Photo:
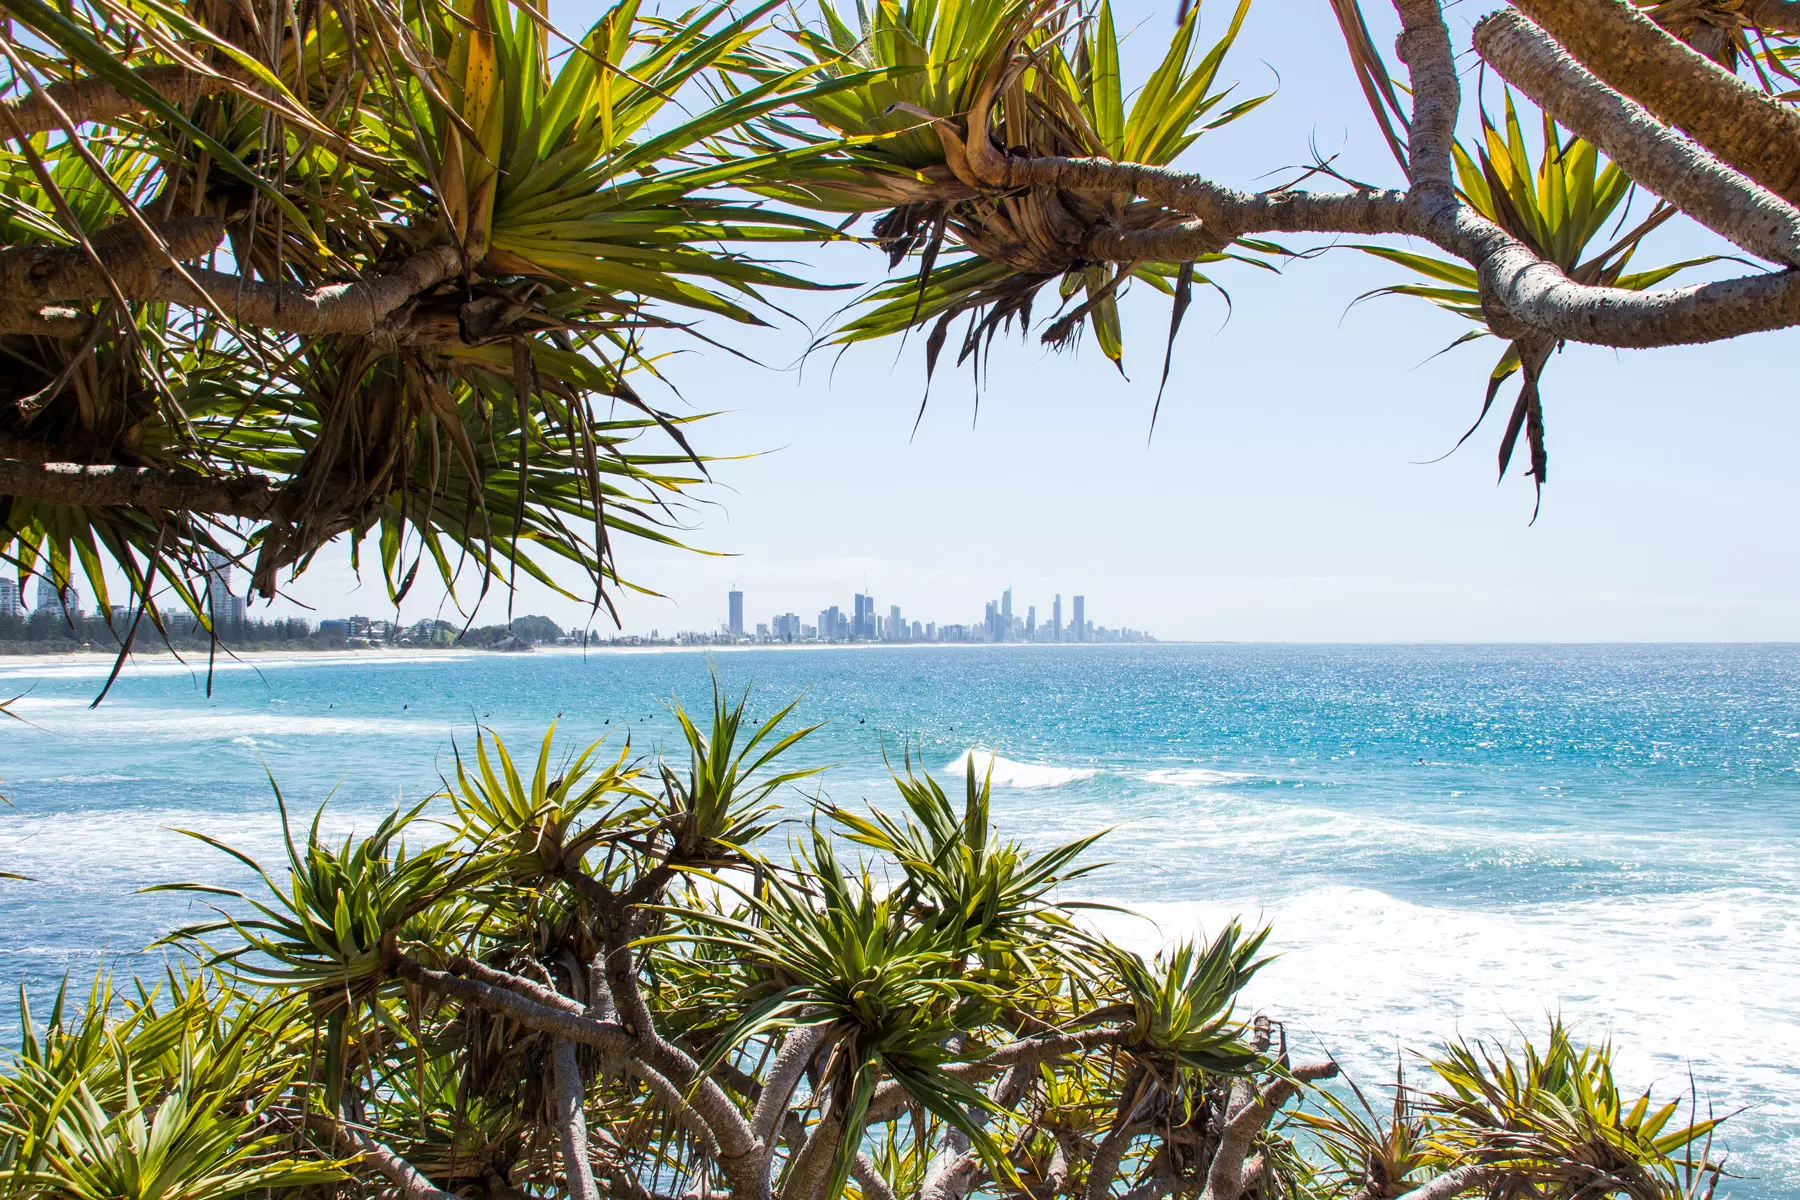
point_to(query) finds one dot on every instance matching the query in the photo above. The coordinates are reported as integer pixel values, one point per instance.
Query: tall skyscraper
(896, 627)
(11, 603)
(1031, 623)
(68, 604)
(992, 620)
(1056, 619)
(1005, 615)
(227, 610)
(736, 620)
(864, 625)
(1080, 619)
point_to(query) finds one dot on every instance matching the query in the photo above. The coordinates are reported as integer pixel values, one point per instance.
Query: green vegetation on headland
(51, 632)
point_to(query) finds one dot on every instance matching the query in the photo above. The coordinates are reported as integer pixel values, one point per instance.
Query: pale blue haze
(1446, 838)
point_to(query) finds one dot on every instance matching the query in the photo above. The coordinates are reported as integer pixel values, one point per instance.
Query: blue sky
(1281, 497)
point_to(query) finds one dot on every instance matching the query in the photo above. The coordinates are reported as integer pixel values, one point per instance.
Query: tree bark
(1773, 16)
(409, 1182)
(254, 497)
(39, 275)
(1741, 124)
(94, 99)
(567, 1100)
(1451, 1183)
(1732, 206)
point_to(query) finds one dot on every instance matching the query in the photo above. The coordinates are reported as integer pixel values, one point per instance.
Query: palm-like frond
(1553, 1114)
(1057, 90)
(1557, 205)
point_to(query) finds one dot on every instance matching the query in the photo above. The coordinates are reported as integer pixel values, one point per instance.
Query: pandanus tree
(385, 269)
(579, 978)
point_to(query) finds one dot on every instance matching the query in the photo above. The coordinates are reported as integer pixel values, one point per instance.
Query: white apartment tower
(227, 609)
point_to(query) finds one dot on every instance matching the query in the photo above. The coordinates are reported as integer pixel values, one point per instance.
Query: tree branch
(362, 307)
(797, 1050)
(1741, 124)
(409, 1182)
(38, 275)
(874, 1185)
(568, 1104)
(1650, 152)
(1772, 16)
(255, 497)
(1451, 1183)
(1250, 1113)
(1111, 1150)
(1424, 46)
(94, 99)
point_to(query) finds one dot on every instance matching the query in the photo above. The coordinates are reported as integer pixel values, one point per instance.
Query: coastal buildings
(863, 623)
(11, 602)
(227, 610)
(68, 604)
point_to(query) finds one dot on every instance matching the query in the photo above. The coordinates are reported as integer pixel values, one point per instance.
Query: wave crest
(1010, 773)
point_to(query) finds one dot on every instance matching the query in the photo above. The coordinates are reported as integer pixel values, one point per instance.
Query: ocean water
(1447, 840)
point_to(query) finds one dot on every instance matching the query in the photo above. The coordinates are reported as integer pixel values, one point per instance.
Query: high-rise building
(1080, 619)
(864, 625)
(896, 626)
(1056, 618)
(68, 604)
(227, 610)
(992, 621)
(736, 620)
(1005, 615)
(1031, 623)
(11, 602)
(829, 620)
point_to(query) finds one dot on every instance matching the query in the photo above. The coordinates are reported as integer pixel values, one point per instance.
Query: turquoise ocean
(1447, 840)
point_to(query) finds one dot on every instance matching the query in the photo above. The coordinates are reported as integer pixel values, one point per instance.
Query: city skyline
(864, 623)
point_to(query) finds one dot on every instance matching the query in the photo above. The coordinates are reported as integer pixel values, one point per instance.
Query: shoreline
(197, 659)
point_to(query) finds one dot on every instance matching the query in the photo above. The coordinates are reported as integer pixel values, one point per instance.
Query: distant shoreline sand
(197, 659)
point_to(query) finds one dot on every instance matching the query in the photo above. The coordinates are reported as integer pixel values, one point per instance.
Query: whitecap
(1195, 777)
(1699, 981)
(1007, 772)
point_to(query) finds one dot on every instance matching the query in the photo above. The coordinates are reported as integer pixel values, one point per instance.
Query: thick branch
(1250, 1113)
(1523, 294)
(868, 1177)
(1111, 1150)
(1772, 16)
(32, 276)
(567, 1102)
(255, 497)
(556, 1021)
(409, 1183)
(1650, 152)
(1424, 46)
(1741, 124)
(362, 307)
(729, 1128)
(94, 99)
(38, 275)
(1451, 1183)
(797, 1050)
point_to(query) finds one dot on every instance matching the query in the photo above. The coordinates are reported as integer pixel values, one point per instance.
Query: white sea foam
(1012, 774)
(1702, 982)
(98, 666)
(176, 723)
(1196, 777)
